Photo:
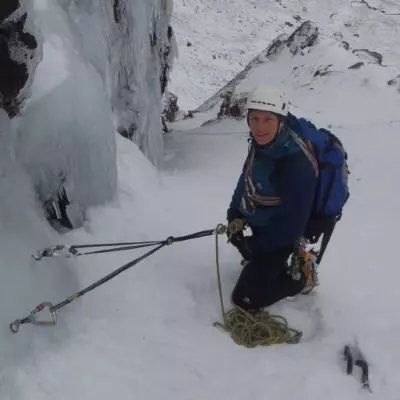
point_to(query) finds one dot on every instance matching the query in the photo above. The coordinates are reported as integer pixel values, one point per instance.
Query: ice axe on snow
(353, 356)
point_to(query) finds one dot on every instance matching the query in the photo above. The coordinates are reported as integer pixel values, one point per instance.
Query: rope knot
(221, 229)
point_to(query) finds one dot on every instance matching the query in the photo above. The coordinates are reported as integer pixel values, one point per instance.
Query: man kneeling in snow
(274, 199)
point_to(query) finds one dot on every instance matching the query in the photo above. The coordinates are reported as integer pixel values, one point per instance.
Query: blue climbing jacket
(275, 193)
(300, 177)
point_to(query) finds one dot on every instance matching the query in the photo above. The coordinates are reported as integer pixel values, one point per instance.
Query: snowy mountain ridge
(253, 26)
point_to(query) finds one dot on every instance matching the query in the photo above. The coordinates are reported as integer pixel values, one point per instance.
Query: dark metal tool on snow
(353, 356)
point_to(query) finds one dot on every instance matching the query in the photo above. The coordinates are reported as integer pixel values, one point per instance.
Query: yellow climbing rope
(251, 330)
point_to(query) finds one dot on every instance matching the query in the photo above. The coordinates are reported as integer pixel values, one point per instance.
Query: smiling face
(264, 126)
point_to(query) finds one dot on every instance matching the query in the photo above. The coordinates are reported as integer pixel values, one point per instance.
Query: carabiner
(39, 309)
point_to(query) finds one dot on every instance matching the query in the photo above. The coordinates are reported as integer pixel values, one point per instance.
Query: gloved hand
(241, 242)
(236, 237)
(235, 227)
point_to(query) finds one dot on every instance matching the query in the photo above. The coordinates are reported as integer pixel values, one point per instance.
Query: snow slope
(235, 32)
(148, 334)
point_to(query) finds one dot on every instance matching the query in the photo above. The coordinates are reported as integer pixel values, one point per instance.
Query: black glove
(235, 226)
(241, 242)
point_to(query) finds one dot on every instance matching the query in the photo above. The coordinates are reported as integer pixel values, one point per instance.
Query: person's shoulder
(297, 166)
(295, 122)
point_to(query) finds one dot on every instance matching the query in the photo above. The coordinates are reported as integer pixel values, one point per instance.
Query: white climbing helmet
(268, 98)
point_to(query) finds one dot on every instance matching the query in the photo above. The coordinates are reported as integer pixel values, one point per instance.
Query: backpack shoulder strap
(307, 148)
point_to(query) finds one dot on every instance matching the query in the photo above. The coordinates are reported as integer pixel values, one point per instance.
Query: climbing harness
(251, 197)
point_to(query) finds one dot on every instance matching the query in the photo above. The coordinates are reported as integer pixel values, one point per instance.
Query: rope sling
(247, 329)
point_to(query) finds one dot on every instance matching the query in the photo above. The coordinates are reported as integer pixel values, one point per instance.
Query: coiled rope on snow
(252, 329)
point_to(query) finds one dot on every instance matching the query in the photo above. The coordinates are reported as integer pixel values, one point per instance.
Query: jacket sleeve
(296, 187)
(234, 206)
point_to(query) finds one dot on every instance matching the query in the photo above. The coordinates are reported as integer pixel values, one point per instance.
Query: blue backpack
(327, 153)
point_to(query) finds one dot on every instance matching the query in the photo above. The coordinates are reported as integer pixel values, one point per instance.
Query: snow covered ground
(148, 333)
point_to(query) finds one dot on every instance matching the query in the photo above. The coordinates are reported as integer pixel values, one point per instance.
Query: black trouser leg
(264, 282)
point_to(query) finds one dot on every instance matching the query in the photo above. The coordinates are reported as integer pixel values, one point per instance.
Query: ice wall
(71, 74)
(131, 45)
